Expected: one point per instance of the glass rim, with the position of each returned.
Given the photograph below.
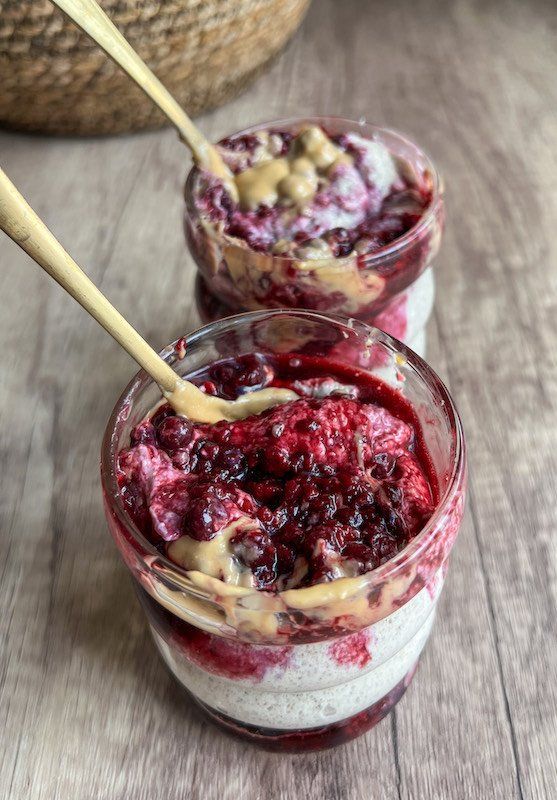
(371, 259)
(384, 572)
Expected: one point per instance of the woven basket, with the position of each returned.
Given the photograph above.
(53, 79)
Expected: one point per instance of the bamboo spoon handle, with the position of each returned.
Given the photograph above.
(20, 222)
(90, 17)
(22, 225)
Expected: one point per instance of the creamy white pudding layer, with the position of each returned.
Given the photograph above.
(419, 344)
(417, 308)
(419, 305)
(323, 682)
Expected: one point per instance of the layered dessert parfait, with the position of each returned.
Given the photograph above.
(331, 215)
(290, 562)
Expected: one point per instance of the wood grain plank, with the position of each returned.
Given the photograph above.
(504, 378)
(87, 709)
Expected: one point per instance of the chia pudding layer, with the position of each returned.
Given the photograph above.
(306, 686)
(332, 216)
(290, 563)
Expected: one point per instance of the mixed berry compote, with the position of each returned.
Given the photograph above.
(332, 484)
(290, 562)
(332, 215)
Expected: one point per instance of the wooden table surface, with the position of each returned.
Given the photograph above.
(87, 708)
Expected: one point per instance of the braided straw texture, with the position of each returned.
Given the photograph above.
(53, 79)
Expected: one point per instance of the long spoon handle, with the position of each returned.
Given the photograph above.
(20, 222)
(90, 17)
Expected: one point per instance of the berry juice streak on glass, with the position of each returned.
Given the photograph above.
(331, 593)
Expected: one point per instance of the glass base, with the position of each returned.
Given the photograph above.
(210, 308)
(322, 738)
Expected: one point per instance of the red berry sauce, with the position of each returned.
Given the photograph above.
(334, 485)
(230, 658)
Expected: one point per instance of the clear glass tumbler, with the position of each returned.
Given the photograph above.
(392, 288)
(300, 669)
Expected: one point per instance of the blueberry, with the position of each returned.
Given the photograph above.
(174, 432)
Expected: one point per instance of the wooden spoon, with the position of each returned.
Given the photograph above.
(90, 17)
(27, 230)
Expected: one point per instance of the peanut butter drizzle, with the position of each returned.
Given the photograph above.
(293, 178)
(212, 567)
(214, 557)
(220, 605)
(189, 401)
(208, 157)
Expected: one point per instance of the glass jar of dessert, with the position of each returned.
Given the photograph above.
(333, 215)
(290, 563)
